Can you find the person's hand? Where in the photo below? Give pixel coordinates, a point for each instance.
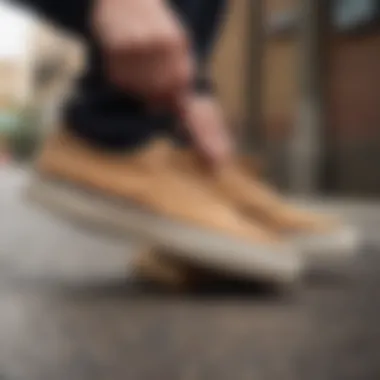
(205, 121)
(145, 48)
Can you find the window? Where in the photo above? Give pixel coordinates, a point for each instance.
(347, 16)
(352, 14)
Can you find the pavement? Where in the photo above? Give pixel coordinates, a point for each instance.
(70, 310)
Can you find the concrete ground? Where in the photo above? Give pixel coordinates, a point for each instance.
(69, 311)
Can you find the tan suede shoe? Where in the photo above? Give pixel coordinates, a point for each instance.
(321, 238)
(141, 194)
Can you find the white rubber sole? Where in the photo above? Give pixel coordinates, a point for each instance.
(328, 249)
(280, 265)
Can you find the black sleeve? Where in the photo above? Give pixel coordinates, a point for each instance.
(72, 15)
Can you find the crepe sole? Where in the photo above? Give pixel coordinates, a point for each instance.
(211, 249)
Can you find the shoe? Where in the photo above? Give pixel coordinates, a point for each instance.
(322, 239)
(139, 193)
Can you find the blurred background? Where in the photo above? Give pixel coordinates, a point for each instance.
(299, 80)
(37, 68)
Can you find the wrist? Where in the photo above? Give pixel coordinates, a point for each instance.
(204, 86)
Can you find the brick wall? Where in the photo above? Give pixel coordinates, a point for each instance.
(355, 112)
(355, 86)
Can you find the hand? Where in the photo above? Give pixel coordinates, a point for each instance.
(145, 47)
(203, 117)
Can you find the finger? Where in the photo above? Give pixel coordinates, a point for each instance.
(208, 130)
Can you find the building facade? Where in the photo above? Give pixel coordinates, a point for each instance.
(351, 78)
